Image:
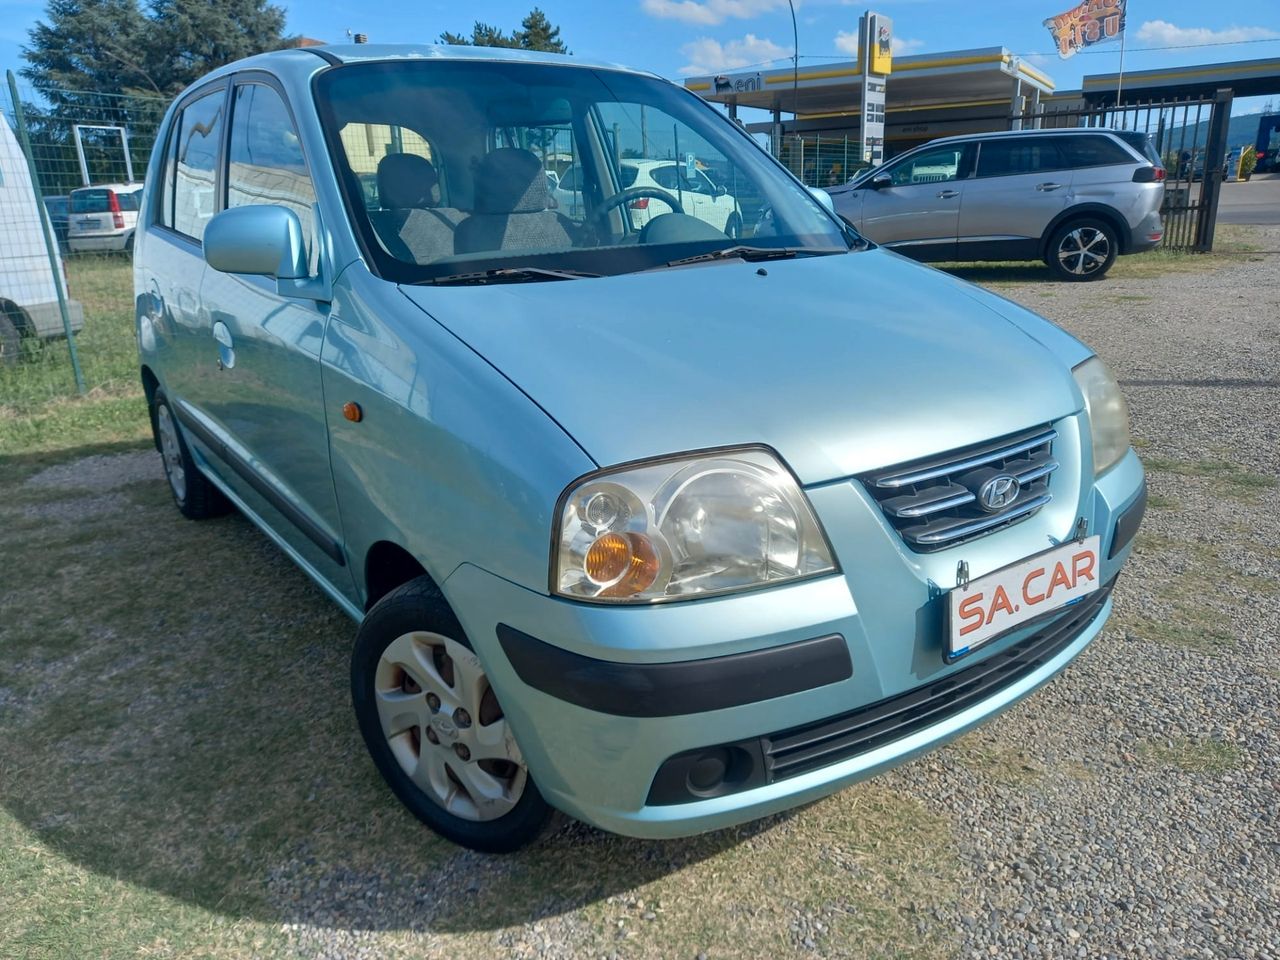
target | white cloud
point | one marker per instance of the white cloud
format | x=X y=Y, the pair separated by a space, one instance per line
x=709 y=12
x=711 y=56
x=1162 y=33
x=847 y=42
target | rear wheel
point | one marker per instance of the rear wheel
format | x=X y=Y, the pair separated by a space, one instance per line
x=10 y=341
x=1082 y=249
x=434 y=727
x=194 y=495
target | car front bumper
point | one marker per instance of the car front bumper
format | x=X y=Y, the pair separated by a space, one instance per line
x=597 y=760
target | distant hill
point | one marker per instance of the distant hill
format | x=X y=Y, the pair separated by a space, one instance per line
x=1241 y=131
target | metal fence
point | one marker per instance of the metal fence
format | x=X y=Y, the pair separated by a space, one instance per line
x=821 y=161
x=53 y=141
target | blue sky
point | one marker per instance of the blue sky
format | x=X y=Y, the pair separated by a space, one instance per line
x=678 y=37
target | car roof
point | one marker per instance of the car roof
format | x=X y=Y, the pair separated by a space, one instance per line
x=1014 y=134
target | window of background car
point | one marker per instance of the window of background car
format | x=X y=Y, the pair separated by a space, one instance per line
x=91 y=201
x=1093 y=151
x=536 y=157
x=199 y=132
x=931 y=166
x=129 y=201
x=1010 y=156
x=266 y=164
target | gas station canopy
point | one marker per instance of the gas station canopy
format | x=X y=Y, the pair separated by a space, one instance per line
x=986 y=77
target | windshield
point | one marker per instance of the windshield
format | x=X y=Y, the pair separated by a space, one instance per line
x=461 y=167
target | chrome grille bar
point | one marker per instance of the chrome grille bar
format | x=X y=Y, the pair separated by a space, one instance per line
x=972 y=463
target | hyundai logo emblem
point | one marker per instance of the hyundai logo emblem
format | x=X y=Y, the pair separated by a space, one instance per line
x=998 y=492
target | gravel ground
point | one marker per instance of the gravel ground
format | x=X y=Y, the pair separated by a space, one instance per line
x=1152 y=830
x=1129 y=809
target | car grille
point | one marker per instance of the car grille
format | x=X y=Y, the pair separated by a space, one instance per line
x=797 y=751
x=933 y=503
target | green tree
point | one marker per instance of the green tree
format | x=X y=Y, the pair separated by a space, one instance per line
x=188 y=38
x=536 y=33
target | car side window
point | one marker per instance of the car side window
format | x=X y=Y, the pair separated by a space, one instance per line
x=265 y=163
x=1093 y=152
x=932 y=166
x=1006 y=157
x=195 y=163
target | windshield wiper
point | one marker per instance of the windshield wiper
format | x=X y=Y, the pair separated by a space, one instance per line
x=753 y=254
x=509 y=275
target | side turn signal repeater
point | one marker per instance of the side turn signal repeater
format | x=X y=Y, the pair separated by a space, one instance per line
x=352 y=411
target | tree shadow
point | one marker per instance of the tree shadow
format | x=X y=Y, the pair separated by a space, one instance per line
x=174 y=713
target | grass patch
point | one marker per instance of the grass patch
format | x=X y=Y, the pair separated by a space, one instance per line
x=998 y=760
x=1236 y=481
x=39 y=407
x=1212 y=757
x=180 y=776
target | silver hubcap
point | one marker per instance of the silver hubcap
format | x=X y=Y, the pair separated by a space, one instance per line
x=172 y=453
x=445 y=727
x=1084 y=250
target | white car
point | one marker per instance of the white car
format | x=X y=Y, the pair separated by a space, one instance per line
x=697 y=193
x=103 y=217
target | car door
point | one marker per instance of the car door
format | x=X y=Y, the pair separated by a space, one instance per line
x=913 y=205
x=1020 y=185
x=266 y=402
x=171 y=272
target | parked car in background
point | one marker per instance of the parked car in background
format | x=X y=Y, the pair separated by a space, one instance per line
x=59 y=211
x=1073 y=198
x=28 y=292
x=698 y=194
x=103 y=218
x=663 y=527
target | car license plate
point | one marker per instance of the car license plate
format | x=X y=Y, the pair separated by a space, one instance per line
x=992 y=605
x=88 y=223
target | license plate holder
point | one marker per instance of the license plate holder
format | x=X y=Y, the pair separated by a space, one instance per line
x=992 y=605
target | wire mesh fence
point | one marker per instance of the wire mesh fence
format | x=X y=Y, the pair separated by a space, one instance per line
x=71 y=163
x=822 y=161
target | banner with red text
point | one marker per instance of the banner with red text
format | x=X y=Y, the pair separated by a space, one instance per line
x=1093 y=21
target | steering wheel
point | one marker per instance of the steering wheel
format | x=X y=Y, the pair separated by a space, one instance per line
x=633 y=193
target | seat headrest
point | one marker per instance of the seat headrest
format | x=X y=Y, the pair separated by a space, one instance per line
x=407 y=180
x=510 y=180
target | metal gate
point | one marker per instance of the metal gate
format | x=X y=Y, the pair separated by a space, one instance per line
x=1190 y=138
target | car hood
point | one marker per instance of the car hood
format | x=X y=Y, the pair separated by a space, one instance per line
x=842 y=364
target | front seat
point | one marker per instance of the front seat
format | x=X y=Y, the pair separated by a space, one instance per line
x=512 y=207
x=410 y=224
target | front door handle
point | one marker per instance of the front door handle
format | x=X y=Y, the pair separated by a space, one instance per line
x=226 y=346
x=1048 y=186
x=948 y=194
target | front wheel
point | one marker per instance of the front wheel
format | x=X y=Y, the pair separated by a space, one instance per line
x=434 y=727
x=10 y=341
x=1082 y=250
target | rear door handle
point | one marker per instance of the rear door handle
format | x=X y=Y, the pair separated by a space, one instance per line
x=948 y=194
x=1048 y=186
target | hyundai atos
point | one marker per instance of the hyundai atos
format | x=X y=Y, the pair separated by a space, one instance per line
x=663 y=528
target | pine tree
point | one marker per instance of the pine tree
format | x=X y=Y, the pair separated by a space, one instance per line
x=536 y=33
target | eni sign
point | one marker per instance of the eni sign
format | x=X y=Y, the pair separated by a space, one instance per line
x=741 y=83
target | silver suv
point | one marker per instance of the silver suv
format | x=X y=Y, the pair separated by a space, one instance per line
x=1073 y=198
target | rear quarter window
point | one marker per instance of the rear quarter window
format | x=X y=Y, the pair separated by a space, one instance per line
x=1093 y=152
x=91 y=201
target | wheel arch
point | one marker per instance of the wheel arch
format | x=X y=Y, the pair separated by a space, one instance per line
x=18 y=316
x=388 y=565
x=150 y=387
x=1086 y=211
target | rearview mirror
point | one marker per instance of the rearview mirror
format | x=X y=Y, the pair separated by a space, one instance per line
x=261 y=240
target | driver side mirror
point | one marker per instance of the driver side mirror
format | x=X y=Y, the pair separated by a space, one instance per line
x=722 y=191
x=880 y=182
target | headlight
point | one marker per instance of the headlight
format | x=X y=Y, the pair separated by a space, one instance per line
x=685 y=528
x=1108 y=413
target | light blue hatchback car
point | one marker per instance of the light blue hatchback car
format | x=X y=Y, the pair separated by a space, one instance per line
x=661 y=527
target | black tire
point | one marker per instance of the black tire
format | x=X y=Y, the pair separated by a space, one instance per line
x=10 y=341
x=1081 y=250
x=413 y=607
x=733 y=228
x=128 y=246
x=193 y=494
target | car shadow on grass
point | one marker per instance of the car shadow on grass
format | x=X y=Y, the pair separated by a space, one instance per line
x=174 y=714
